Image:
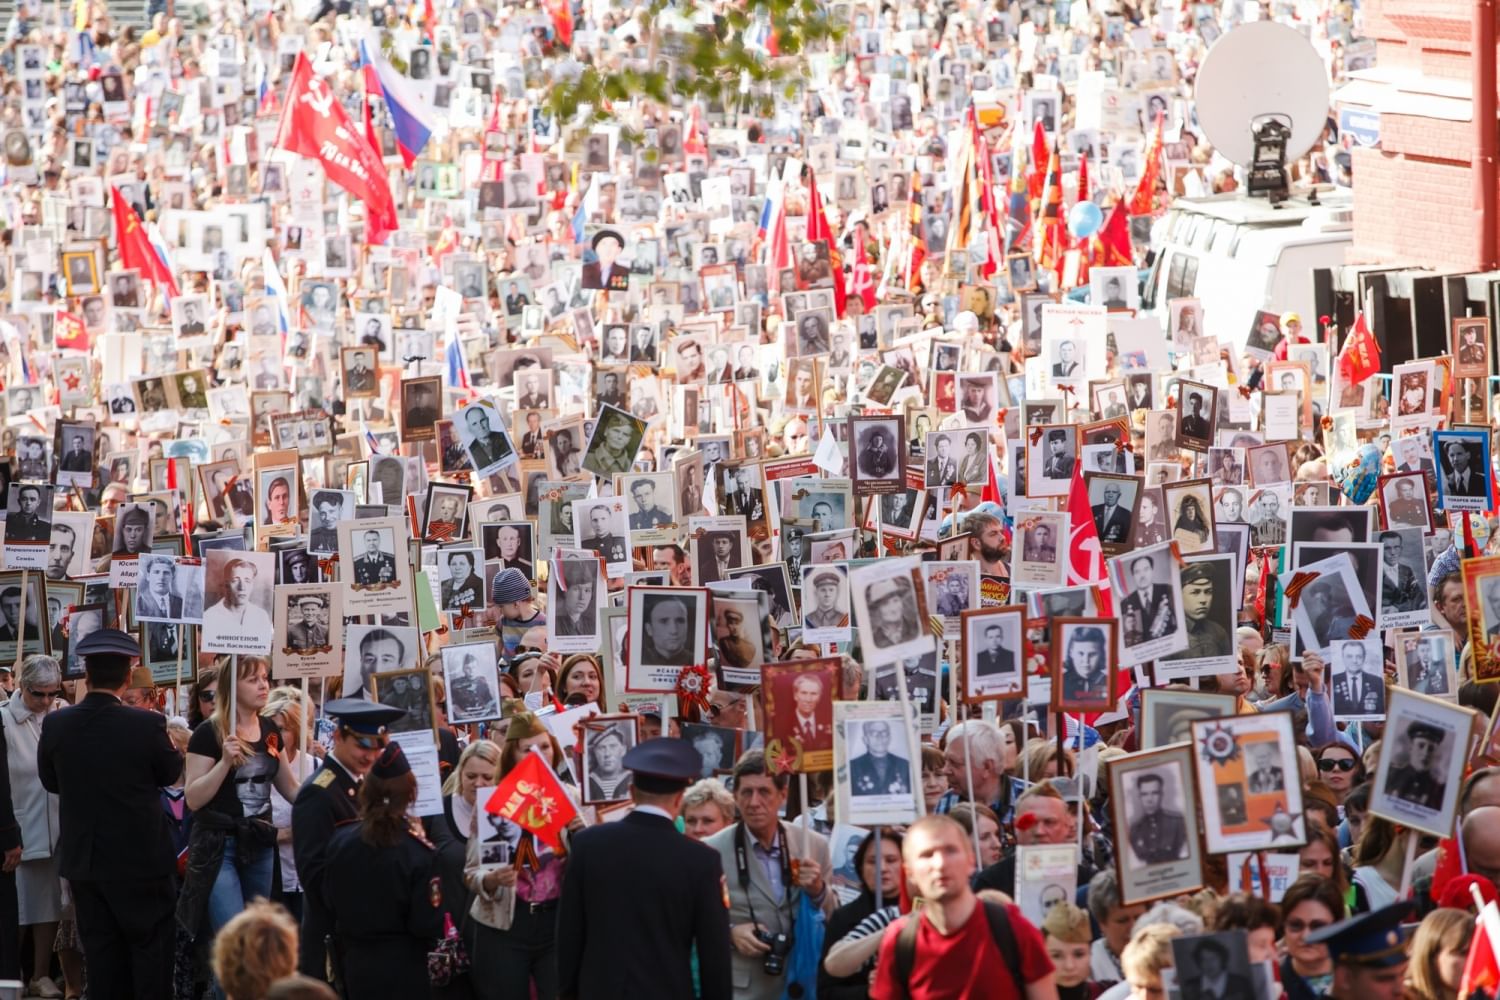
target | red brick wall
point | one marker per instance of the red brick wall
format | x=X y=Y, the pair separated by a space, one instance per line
x=1412 y=198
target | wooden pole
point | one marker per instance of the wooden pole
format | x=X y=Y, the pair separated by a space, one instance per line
x=21 y=623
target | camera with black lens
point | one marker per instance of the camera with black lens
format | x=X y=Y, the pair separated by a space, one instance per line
x=773 y=963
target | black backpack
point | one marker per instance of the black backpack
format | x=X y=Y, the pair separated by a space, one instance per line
x=1000 y=930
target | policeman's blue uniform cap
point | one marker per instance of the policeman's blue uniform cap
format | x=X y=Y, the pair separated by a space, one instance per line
x=664 y=765
x=1374 y=940
x=365 y=717
x=108 y=640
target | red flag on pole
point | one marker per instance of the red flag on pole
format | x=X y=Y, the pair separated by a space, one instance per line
x=864 y=274
x=818 y=229
x=135 y=246
x=1112 y=242
x=1051 y=236
x=1085 y=554
x=1359 y=358
x=531 y=797
x=1144 y=200
x=1039 y=156
x=1482 y=969
x=315 y=125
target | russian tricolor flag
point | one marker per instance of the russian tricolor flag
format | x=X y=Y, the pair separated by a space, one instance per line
x=276 y=288
x=412 y=118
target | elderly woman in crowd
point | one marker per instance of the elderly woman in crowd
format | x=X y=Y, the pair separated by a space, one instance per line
x=255 y=949
x=38 y=882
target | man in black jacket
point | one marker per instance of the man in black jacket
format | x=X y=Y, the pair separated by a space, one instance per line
x=638 y=896
x=114 y=845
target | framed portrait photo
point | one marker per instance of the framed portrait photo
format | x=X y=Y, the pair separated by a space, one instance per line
x=1156 y=816
x=799 y=697
x=1464 y=482
x=877 y=449
x=1248 y=783
x=1150 y=613
x=1083 y=663
x=992 y=651
x=668 y=631
x=471 y=681
x=1421 y=769
x=877 y=767
x=606 y=740
x=1425 y=663
x=410 y=691
x=1167 y=716
x=1403 y=501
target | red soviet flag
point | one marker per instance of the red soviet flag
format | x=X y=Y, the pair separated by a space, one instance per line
x=314 y=124
x=531 y=797
x=135 y=246
x=1359 y=358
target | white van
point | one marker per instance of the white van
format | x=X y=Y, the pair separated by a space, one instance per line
x=1238 y=255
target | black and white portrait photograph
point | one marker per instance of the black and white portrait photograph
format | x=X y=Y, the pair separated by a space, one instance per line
x=1464 y=470
x=28 y=525
x=572 y=597
x=471 y=681
x=889 y=609
x=1403 y=577
x=1329 y=605
x=411 y=691
x=309 y=630
x=876 y=768
x=375 y=568
x=951 y=587
x=1250 y=764
x=825 y=603
x=1039 y=549
x=1083 y=663
x=877 y=454
x=1214 y=967
x=1269 y=464
x=34 y=638
x=1112 y=501
x=1197 y=409
x=237 y=589
x=461 y=579
x=1155 y=808
x=1209 y=604
x=1356 y=679
x=1422 y=759
x=612 y=447
x=1150 y=613
x=606 y=739
x=485 y=438
x=169 y=589
x=652 y=506
x=1114 y=288
x=1190 y=514
x=668 y=631
x=1403 y=499
x=1425 y=663
x=991 y=648
x=716 y=746
x=376 y=649
x=1051 y=453
x=1167 y=715
x=601 y=526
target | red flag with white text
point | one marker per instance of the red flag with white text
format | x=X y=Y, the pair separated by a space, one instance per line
x=314 y=124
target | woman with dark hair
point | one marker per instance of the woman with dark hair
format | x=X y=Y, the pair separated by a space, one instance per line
x=581 y=676
x=1310 y=904
x=1340 y=768
x=202 y=704
x=379 y=887
x=855 y=985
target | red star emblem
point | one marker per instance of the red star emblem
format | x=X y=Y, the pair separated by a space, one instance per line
x=71 y=380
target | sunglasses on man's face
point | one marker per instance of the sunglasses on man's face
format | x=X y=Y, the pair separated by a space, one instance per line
x=1345 y=764
x=48 y=695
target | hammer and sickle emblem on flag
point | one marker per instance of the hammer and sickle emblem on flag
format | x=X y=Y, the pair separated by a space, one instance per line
x=318 y=96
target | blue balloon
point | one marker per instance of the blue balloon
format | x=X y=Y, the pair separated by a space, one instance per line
x=1084 y=220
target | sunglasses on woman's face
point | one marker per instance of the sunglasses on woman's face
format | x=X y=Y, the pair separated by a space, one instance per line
x=1345 y=764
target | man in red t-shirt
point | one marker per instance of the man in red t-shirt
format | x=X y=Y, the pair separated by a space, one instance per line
x=956 y=954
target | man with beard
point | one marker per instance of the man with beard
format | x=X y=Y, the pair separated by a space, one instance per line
x=986 y=538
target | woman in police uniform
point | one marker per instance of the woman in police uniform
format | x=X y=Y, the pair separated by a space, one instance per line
x=382 y=889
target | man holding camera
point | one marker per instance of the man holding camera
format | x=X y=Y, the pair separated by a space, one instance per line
x=766 y=864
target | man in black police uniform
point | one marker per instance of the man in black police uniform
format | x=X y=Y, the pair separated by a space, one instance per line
x=114 y=846
x=1368 y=952
x=329 y=799
x=638 y=897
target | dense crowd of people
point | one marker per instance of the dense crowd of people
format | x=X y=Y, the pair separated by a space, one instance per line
x=488 y=515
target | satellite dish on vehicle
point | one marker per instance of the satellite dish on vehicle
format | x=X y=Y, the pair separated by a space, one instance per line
x=1261 y=69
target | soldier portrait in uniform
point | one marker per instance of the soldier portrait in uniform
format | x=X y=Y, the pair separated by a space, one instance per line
x=825 y=601
x=410 y=691
x=1426 y=747
x=307 y=622
x=606 y=738
x=1266 y=772
x=1155 y=805
x=879 y=762
x=1207 y=610
x=601 y=527
x=1426 y=663
x=1403 y=496
x=375 y=559
x=892 y=618
x=471 y=680
x=1156 y=833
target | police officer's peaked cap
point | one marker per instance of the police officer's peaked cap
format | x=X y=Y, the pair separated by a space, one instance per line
x=664 y=765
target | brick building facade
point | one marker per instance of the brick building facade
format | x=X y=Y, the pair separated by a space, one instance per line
x=1413 y=196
